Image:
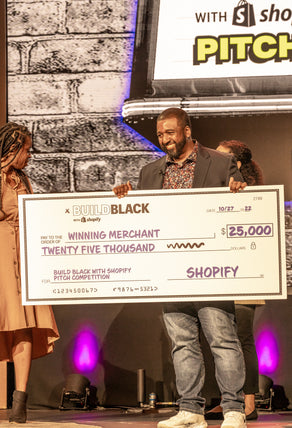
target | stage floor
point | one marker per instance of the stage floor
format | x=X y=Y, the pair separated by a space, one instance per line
x=115 y=418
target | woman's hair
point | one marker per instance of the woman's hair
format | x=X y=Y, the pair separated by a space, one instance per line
x=250 y=170
x=12 y=138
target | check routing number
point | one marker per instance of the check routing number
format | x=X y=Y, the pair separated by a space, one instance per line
x=162 y=245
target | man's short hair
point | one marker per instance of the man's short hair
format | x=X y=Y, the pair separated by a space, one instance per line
x=181 y=116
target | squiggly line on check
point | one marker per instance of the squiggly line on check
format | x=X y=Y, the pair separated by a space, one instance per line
x=187 y=245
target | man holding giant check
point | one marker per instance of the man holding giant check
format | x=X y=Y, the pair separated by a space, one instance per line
x=188 y=164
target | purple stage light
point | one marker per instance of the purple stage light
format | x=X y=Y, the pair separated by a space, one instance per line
x=267 y=351
x=85 y=352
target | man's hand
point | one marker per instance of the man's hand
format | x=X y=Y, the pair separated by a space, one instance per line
x=235 y=186
x=122 y=190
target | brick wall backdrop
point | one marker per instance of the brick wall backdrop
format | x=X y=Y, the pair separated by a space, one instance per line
x=69 y=65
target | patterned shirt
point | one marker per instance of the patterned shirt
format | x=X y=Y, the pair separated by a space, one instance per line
x=180 y=175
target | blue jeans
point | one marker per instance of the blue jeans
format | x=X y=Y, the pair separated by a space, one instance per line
x=220 y=331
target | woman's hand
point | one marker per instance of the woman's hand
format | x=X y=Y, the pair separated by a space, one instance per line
x=235 y=186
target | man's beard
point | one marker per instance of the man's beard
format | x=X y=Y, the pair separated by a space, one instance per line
x=177 y=152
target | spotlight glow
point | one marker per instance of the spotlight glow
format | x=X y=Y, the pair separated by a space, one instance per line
x=85 y=352
x=267 y=351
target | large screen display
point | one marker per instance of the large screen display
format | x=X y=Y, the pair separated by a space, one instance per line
x=235 y=49
x=213 y=39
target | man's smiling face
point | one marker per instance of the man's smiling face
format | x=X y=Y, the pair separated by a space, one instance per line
x=172 y=137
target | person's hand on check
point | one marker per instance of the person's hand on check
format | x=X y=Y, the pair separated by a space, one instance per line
x=235 y=186
x=122 y=189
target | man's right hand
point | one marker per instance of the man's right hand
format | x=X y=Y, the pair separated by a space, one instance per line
x=122 y=190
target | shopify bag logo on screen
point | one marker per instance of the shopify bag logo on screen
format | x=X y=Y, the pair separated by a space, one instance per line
x=268 y=44
x=243 y=14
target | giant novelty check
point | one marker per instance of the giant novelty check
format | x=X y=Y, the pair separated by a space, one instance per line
x=162 y=245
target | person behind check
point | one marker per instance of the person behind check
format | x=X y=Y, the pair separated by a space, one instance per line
x=245 y=310
x=188 y=164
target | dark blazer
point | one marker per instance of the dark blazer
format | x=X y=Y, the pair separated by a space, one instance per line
x=213 y=169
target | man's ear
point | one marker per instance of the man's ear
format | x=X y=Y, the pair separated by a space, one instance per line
x=238 y=164
x=187 y=132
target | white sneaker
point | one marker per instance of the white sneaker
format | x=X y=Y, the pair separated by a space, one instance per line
x=184 y=419
x=234 y=420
